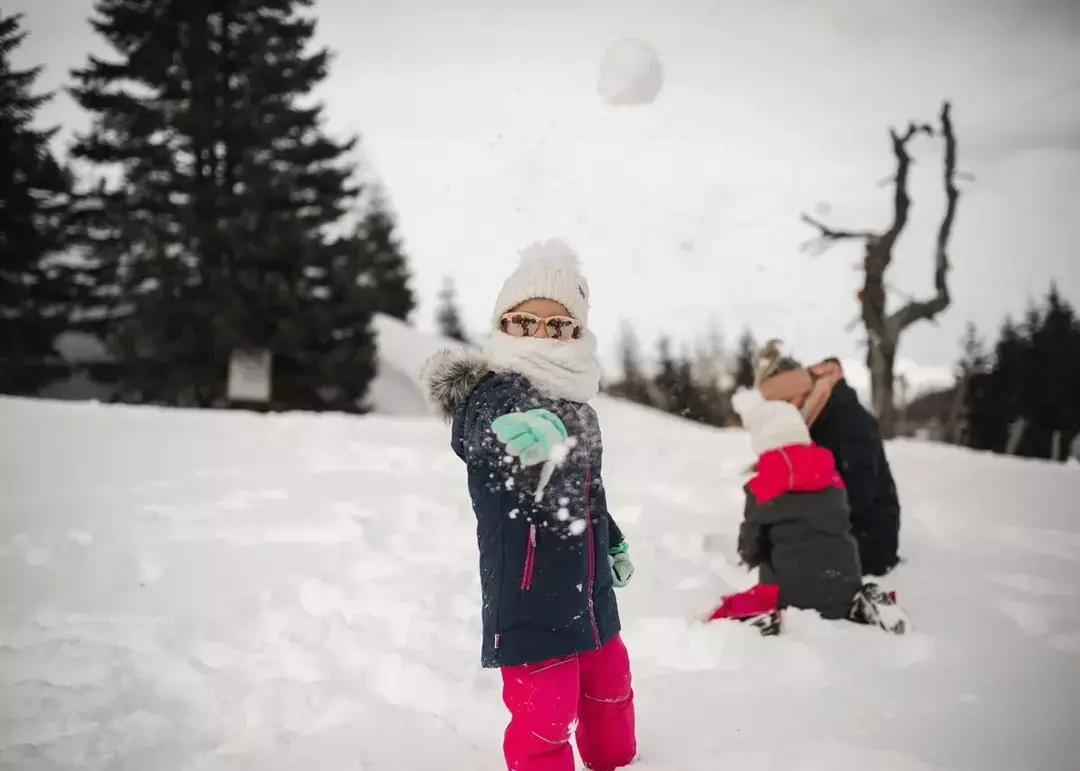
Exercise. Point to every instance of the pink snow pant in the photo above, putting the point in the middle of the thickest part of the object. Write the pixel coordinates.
(545, 699)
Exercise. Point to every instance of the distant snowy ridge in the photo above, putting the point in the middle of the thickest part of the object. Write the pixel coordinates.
(401, 351)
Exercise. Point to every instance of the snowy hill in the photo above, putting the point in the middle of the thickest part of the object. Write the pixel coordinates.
(202, 590)
(402, 351)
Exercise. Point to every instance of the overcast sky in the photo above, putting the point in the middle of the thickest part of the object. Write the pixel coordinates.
(483, 121)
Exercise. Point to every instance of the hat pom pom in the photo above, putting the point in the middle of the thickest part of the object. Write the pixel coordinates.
(745, 401)
(552, 252)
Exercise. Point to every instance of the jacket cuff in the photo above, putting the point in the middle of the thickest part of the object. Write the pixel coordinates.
(621, 548)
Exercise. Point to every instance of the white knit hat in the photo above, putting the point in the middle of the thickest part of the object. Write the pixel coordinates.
(772, 425)
(549, 270)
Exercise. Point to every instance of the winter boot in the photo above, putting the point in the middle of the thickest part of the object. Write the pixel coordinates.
(768, 624)
(873, 606)
(757, 606)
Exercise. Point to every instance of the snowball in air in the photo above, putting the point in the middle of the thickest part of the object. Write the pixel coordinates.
(630, 73)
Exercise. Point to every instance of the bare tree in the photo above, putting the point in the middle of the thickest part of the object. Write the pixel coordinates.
(883, 329)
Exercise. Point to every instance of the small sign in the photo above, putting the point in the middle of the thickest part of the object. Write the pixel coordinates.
(249, 376)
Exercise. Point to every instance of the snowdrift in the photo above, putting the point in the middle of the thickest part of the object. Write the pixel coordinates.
(402, 351)
(204, 590)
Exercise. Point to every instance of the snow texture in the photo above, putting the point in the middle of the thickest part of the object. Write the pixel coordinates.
(630, 74)
(203, 590)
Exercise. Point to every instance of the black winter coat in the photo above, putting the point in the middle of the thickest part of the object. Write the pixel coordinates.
(851, 433)
(546, 583)
(796, 530)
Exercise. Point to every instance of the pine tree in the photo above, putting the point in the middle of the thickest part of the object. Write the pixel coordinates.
(218, 236)
(634, 385)
(688, 393)
(973, 357)
(447, 316)
(745, 356)
(972, 365)
(708, 401)
(1033, 382)
(389, 271)
(1054, 377)
(666, 381)
(35, 287)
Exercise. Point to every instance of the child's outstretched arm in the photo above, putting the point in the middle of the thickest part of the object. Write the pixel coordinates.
(507, 420)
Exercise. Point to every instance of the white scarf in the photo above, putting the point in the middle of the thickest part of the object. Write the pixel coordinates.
(558, 369)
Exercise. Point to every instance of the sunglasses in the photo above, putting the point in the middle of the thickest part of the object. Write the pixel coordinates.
(521, 324)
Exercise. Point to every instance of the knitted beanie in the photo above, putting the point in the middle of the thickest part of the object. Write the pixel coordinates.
(548, 270)
(772, 425)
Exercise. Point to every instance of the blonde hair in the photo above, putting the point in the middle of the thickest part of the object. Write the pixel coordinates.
(770, 360)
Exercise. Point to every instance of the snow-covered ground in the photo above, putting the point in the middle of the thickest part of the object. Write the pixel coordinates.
(203, 590)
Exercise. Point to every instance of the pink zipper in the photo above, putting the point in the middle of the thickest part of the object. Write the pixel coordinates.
(530, 560)
(591, 539)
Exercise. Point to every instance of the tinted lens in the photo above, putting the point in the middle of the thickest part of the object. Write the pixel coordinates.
(562, 328)
(520, 324)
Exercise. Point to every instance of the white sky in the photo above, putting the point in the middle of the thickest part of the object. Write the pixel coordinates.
(482, 119)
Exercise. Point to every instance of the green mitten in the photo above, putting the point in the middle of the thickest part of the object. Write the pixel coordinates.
(531, 435)
(622, 569)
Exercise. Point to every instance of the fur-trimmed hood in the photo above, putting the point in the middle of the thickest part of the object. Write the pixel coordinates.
(449, 376)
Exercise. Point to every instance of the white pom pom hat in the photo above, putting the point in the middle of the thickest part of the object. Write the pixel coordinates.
(772, 425)
(548, 270)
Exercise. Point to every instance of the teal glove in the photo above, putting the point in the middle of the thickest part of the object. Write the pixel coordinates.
(531, 435)
(621, 567)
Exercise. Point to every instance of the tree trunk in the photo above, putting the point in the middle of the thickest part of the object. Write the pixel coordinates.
(881, 361)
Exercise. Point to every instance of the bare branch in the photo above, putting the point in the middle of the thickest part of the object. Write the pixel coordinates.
(829, 236)
(901, 200)
(914, 310)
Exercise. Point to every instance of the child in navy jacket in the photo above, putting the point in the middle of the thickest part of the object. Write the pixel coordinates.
(550, 553)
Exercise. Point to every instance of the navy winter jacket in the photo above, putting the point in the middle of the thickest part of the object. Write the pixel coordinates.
(847, 429)
(545, 580)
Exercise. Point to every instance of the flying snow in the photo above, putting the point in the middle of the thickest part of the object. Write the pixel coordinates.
(630, 74)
